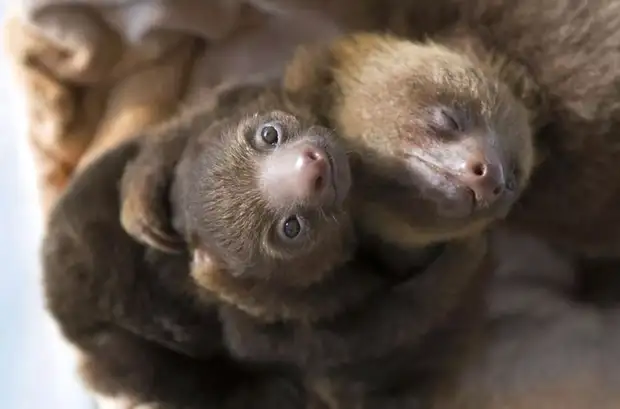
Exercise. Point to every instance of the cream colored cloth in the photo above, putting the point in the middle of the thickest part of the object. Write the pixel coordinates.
(542, 348)
(95, 72)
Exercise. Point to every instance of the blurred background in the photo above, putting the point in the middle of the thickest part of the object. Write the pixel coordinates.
(36, 367)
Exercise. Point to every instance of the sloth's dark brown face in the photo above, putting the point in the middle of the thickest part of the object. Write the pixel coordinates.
(271, 195)
(454, 143)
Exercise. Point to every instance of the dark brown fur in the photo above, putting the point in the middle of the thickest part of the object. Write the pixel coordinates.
(165, 205)
(557, 59)
(393, 208)
(410, 316)
(417, 334)
(215, 209)
(563, 108)
(145, 323)
(145, 332)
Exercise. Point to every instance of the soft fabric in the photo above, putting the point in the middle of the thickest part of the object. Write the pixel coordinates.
(96, 72)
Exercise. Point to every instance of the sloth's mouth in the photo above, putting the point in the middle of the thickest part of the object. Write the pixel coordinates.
(432, 165)
(453, 199)
(332, 176)
(338, 180)
(452, 194)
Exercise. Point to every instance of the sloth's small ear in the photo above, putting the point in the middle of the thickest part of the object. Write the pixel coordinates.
(308, 76)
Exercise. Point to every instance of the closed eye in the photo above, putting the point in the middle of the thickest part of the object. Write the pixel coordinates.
(446, 120)
(452, 122)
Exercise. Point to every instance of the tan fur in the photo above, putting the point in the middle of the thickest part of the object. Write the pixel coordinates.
(379, 220)
(556, 57)
(370, 86)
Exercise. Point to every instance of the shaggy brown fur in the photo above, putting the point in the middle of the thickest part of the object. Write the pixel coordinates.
(418, 334)
(133, 311)
(207, 197)
(555, 59)
(426, 112)
(178, 197)
(346, 84)
(146, 332)
(556, 93)
(558, 57)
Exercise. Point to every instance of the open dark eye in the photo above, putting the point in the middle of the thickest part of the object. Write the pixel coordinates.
(270, 134)
(291, 228)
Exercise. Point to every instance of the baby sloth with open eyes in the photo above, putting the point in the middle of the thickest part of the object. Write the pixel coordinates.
(262, 199)
(256, 199)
